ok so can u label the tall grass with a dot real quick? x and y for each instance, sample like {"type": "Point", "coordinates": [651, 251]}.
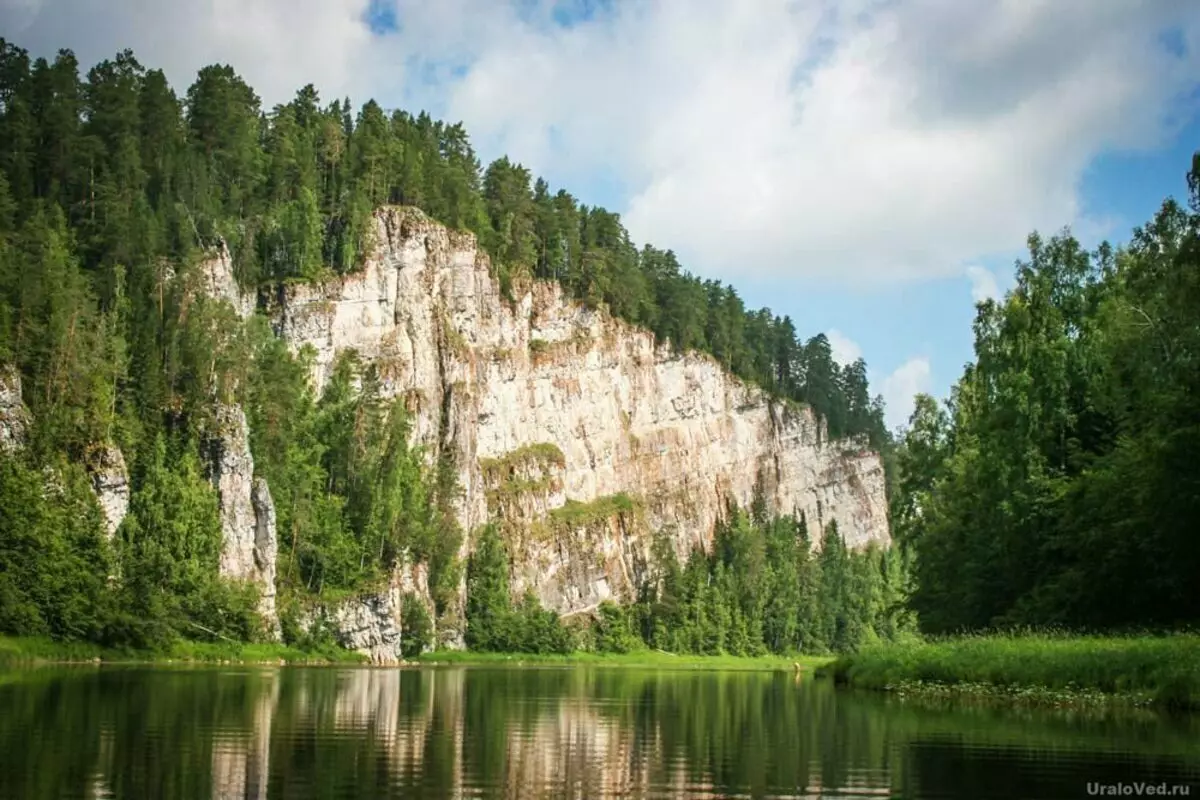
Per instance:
{"type": "Point", "coordinates": [1163, 670]}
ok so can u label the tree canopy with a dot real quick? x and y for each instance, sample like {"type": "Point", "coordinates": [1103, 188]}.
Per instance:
{"type": "Point", "coordinates": [1058, 486]}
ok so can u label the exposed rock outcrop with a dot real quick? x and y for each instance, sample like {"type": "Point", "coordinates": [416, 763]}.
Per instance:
{"type": "Point", "coordinates": [372, 624]}
{"type": "Point", "coordinates": [110, 483]}
{"type": "Point", "coordinates": [581, 433]}
{"type": "Point", "coordinates": [217, 281]}
{"type": "Point", "coordinates": [14, 417]}
{"type": "Point", "coordinates": [249, 545]}
{"type": "Point", "coordinates": [648, 439]}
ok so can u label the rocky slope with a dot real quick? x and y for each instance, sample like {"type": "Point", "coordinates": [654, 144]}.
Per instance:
{"type": "Point", "coordinates": [582, 433]}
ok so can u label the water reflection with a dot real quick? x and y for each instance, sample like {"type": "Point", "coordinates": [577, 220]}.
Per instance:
{"type": "Point", "coordinates": [531, 733]}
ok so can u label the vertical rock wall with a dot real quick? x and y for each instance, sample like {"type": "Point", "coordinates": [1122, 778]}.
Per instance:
{"type": "Point", "coordinates": [249, 545]}
{"type": "Point", "coordinates": [643, 439]}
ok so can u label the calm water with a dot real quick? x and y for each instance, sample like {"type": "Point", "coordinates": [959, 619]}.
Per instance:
{"type": "Point", "coordinates": [554, 732]}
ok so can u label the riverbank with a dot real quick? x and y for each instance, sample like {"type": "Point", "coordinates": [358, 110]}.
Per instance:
{"type": "Point", "coordinates": [15, 651]}
{"type": "Point", "coordinates": [648, 659]}
{"type": "Point", "coordinates": [19, 650]}
{"type": "Point", "coordinates": [1162, 671]}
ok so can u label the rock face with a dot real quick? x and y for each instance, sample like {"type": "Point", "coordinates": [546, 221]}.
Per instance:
{"type": "Point", "coordinates": [249, 545]}
{"type": "Point", "coordinates": [582, 432]}
{"type": "Point", "coordinates": [370, 625]}
{"type": "Point", "coordinates": [14, 417]}
{"type": "Point", "coordinates": [110, 483]}
{"type": "Point", "coordinates": [373, 624]}
{"type": "Point", "coordinates": [579, 432]}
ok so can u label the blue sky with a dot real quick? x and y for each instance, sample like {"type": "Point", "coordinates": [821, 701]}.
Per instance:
{"type": "Point", "coordinates": [864, 166]}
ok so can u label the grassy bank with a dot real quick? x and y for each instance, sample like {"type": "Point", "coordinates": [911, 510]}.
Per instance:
{"type": "Point", "coordinates": [650, 659]}
{"type": "Point", "coordinates": [16, 650]}
{"type": "Point", "coordinates": [1035, 669]}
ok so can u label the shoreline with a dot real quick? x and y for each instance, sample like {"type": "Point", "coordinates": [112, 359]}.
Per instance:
{"type": "Point", "coordinates": [36, 651]}
{"type": "Point", "coordinates": [16, 652]}
{"type": "Point", "coordinates": [1161, 672]}
{"type": "Point", "coordinates": [645, 659]}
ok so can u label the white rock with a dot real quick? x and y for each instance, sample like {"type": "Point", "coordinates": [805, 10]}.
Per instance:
{"type": "Point", "coordinates": [110, 483]}
{"type": "Point", "coordinates": [249, 545]}
{"type": "Point", "coordinates": [628, 414]}
{"type": "Point", "coordinates": [14, 417]}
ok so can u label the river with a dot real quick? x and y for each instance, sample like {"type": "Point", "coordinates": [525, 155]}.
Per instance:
{"type": "Point", "coordinates": [583, 732]}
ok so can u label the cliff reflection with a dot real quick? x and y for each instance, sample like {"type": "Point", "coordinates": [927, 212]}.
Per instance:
{"type": "Point", "coordinates": [538, 733]}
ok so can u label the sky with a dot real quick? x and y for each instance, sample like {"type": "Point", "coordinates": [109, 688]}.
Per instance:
{"type": "Point", "coordinates": [871, 168]}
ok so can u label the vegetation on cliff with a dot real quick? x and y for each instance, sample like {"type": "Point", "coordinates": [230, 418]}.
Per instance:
{"type": "Point", "coordinates": [760, 590]}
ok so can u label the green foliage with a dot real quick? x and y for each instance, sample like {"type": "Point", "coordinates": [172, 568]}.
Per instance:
{"type": "Point", "coordinates": [352, 494]}
{"type": "Point", "coordinates": [615, 630]}
{"type": "Point", "coordinates": [416, 627]}
{"type": "Point", "coordinates": [761, 589]}
{"type": "Point", "coordinates": [170, 547]}
{"type": "Point", "coordinates": [1058, 486]}
{"type": "Point", "coordinates": [531, 456]}
{"type": "Point", "coordinates": [577, 515]}
{"type": "Point", "coordinates": [493, 624]}
{"type": "Point", "coordinates": [111, 193]}
{"type": "Point", "coordinates": [53, 558]}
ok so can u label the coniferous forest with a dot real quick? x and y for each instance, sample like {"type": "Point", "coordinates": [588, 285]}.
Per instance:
{"type": "Point", "coordinates": [112, 187]}
{"type": "Point", "coordinates": [1055, 488]}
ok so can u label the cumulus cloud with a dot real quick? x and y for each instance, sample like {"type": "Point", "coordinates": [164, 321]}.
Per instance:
{"type": "Point", "coordinates": [868, 141]}
{"type": "Point", "coordinates": [983, 284]}
{"type": "Point", "coordinates": [906, 381]}
{"type": "Point", "coordinates": [845, 350]}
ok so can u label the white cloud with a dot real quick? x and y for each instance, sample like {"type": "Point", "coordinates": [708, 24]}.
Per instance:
{"type": "Point", "coordinates": [845, 350]}
{"type": "Point", "coordinates": [907, 380]}
{"type": "Point", "coordinates": [868, 141]}
{"type": "Point", "coordinates": [983, 284]}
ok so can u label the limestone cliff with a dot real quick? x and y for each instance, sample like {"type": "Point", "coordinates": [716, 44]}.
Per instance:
{"type": "Point", "coordinates": [581, 431]}
{"type": "Point", "coordinates": [249, 545]}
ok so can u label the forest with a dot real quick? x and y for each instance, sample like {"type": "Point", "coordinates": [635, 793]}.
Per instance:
{"type": "Point", "coordinates": [761, 589]}
{"type": "Point", "coordinates": [1055, 487]}
{"type": "Point", "coordinates": [1058, 486]}
{"type": "Point", "coordinates": [112, 187]}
